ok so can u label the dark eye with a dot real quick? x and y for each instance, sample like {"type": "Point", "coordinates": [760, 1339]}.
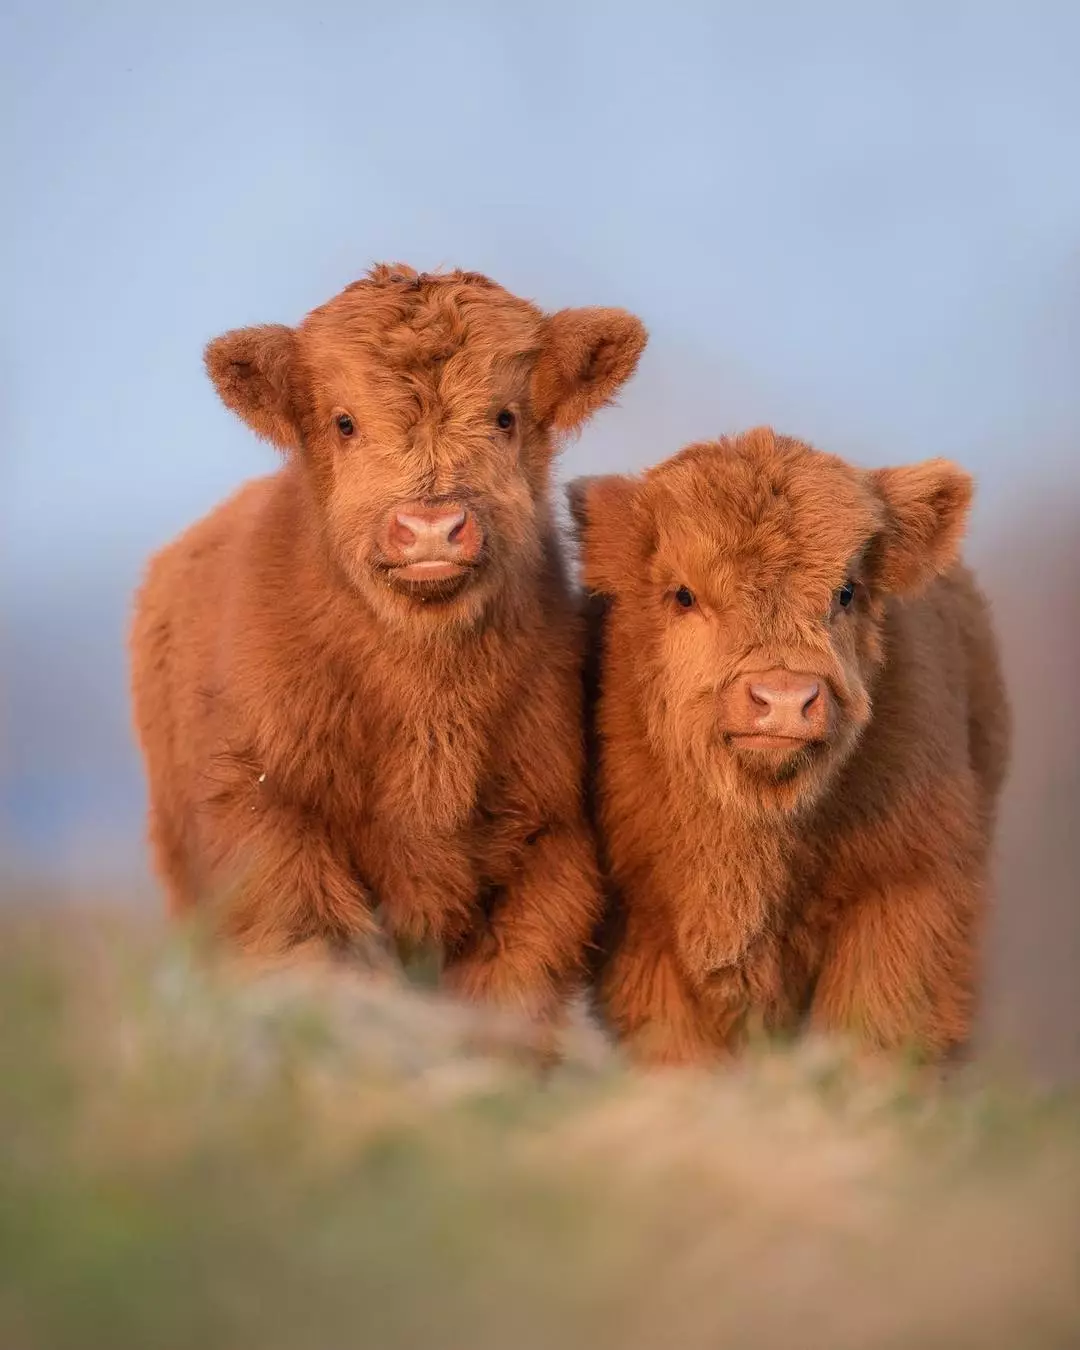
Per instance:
{"type": "Point", "coordinates": [684, 597]}
{"type": "Point", "coordinates": [845, 594]}
{"type": "Point", "coordinates": [504, 419]}
{"type": "Point", "coordinates": [345, 424]}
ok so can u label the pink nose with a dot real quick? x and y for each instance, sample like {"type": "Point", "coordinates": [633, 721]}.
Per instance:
{"type": "Point", "coordinates": [422, 531]}
{"type": "Point", "coordinates": [787, 703]}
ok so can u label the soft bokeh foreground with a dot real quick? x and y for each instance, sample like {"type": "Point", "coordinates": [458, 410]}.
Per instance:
{"type": "Point", "coordinates": [313, 1160]}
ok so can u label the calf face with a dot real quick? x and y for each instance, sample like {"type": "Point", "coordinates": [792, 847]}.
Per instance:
{"type": "Point", "coordinates": [423, 408]}
{"type": "Point", "coordinates": [750, 578]}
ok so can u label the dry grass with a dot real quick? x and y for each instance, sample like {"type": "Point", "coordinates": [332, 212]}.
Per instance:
{"type": "Point", "coordinates": [189, 1160]}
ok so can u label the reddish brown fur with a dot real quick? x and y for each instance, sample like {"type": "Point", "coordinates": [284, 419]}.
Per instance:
{"type": "Point", "coordinates": [757, 882]}
{"type": "Point", "coordinates": [326, 735]}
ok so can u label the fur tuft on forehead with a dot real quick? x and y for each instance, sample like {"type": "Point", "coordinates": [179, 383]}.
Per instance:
{"type": "Point", "coordinates": [401, 347]}
{"type": "Point", "coordinates": [764, 508]}
{"type": "Point", "coordinates": [402, 275]}
{"type": "Point", "coordinates": [761, 511]}
{"type": "Point", "coordinates": [417, 320]}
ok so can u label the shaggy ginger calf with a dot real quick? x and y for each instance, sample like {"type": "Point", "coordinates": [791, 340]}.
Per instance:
{"type": "Point", "coordinates": [356, 683]}
{"type": "Point", "coordinates": [801, 736]}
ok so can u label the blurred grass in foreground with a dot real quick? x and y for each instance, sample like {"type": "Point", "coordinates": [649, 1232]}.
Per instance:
{"type": "Point", "coordinates": [188, 1160]}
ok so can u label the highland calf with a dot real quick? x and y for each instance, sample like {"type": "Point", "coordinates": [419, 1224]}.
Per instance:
{"type": "Point", "coordinates": [801, 734]}
{"type": "Point", "coordinates": [357, 683]}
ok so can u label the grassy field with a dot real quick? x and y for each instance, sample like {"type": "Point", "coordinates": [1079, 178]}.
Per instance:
{"type": "Point", "coordinates": [313, 1161]}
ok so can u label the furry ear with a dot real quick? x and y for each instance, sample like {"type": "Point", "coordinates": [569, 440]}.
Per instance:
{"type": "Point", "coordinates": [608, 528]}
{"type": "Point", "coordinates": [253, 370]}
{"type": "Point", "coordinates": [588, 354]}
{"type": "Point", "coordinates": [926, 511]}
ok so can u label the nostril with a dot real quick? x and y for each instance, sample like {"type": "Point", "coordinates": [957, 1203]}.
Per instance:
{"type": "Point", "coordinates": [760, 695]}
{"type": "Point", "coordinates": [810, 697]}
{"type": "Point", "coordinates": [402, 533]}
{"type": "Point", "coordinates": [456, 528]}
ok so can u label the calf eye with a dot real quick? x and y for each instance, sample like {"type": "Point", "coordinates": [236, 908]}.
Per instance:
{"type": "Point", "coordinates": [345, 424]}
{"type": "Point", "coordinates": [504, 419]}
{"type": "Point", "coordinates": [684, 597]}
{"type": "Point", "coordinates": [845, 594]}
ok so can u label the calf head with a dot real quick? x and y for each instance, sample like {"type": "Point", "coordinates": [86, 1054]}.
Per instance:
{"type": "Point", "coordinates": [749, 579]}
{"type": "Point", "coordinates": [423, 410]}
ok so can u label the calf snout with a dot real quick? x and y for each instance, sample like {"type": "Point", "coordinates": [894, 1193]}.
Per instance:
{"type": "Point", "coordinates": [433, 532]}
{"type": "Point", "coordinates": [785, 703]}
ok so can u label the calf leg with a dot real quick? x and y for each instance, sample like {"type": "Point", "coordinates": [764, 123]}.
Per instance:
{"type": "Point", "coordinates": [276, 879]}
{"type": "Point", "coordinates": [649, 1004]}
{"type": "Point", "coordinates": [532, 953]}
{"type": "Point", "coordinates": [899, 968]}
{"type": "Point", "coordinates": [165, 834]}
{"type": "Point", "coordinates": [152, 710]}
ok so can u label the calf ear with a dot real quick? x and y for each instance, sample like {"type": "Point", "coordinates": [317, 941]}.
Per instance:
{"type": "Point", "coordinates": [588, 354]}
{"type": "Point", "coordinates": [253, 371]}
{"type": "Point", "coordinates": [607, 527]}
{"type": "Point", "coordinates": [926, 511]}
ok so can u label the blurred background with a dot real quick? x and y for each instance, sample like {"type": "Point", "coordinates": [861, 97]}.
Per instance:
{"type": "Point", "coordinates": [859, 223]}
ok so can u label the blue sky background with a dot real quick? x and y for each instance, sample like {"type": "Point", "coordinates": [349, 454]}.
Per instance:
{"type": "Point", "coordinates": [859, 222]}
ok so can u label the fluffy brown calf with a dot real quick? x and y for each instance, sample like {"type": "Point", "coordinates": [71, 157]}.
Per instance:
{"type": "Point", "coordinates": [356, 683]}
{"type": "Point", "coordinates": [801, 735]}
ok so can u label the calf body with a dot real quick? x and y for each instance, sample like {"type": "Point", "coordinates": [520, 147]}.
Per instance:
{"type": "Point", "coordinates": [356, 683]}
{"type": "Point", "coordinates": [801, 733]}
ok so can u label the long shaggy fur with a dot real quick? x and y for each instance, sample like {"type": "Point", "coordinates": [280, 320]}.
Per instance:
{"type": "Point", "coordinates": [324, 745]}
{"type": "Point", "coordinates": [843, 880]}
